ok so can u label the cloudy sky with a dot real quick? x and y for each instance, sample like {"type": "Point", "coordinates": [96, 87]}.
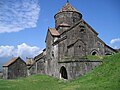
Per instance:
{"type": "Point", "coordinates": [24, 23]}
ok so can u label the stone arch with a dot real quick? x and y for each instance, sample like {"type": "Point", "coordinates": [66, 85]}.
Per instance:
{"type": "Point", "coordinates": [63, 73]}
{"type": "Point", "coordinates": [94, 52]}
{"type": "Point", "coordinates": [108, 53]}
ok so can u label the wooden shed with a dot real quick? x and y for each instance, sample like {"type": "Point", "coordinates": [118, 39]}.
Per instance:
{"type": "Point", "coordinates": [15, 68]}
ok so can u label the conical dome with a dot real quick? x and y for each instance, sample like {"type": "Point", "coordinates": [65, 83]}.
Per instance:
{"type": "Point", "coordinates": [68, 15]}
{"type": "Point", "coordinates": [68, 8]}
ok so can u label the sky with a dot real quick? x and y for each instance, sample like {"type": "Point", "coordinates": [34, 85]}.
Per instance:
{"type": "Point", "coordinates": [24, 23]}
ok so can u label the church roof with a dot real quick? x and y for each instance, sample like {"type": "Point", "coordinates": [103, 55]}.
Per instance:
{"type": "Point", "coordinates": [10, 62]}
{"type": "Point", "coordinates": [67, 7]}
{"type": "Point", "coordinates": [54, 32]}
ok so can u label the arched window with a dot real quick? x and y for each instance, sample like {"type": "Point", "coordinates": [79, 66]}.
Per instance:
{"type": "Point", "coordinates": [94, 52]}
{"type": "Point", "coordinates": [52, 53]}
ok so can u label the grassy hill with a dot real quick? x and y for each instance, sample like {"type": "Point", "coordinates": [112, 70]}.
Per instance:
{"type": "Point", "coordinates": [104, 77]}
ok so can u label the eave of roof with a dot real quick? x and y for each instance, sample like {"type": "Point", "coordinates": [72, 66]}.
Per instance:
{"type": "Point", "coordinates": [10, 62]}
{"type": "Point", "coordinates": [54, 32]}
{"type": "Point", "coordinates": [111, 48]}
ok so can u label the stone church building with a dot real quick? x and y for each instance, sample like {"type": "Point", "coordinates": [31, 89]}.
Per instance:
{"type": "Point", "coordinates": [67, 46]}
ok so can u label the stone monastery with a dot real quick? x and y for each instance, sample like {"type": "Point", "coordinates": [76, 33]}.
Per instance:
{"type": "Point", "coordinates": [67, 46]}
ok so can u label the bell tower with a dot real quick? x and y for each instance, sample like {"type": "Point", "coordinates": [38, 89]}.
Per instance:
{"type": "Point", "coordinates": [67, 16]}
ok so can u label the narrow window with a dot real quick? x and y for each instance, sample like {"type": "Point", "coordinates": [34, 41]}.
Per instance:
{"type": "Point", "coordinates": [82, 28]}
{"type": "Point", "coordinates": [52, 54]}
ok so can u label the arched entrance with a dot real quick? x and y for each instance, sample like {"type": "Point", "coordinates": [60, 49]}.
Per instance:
{"type": "Point", "coordinates": [94, 53]}
{"type": "Point", "coordinates": [108, 54]}
{"type": "Point", "coordinates": [63, 73]}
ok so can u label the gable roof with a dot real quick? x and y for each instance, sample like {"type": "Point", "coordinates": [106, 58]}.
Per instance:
{"type": "Point", "coordinates": [67, 7]}
{"type": "Point", "coordinates": [110, 48]}
{"type": "Point", "coordinates": [54, 32]}
{"type": "Point", "coordinates": [89, 27]}
{"type": "Point", "coordinates": [11, 61]}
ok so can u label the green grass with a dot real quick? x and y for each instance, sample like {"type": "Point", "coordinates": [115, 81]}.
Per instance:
{"type": "Point", "coordinates": [89, 57]}
{"type": "Point", "coordinates": [94, 57]}
{"type": "Point", "coordinates": [104, 77]}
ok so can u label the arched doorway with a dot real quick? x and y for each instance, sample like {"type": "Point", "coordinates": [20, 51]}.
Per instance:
{"type": "Point", "coordinates": [94, 53]}
{"type": "Point", "coordinates": [63, 73]}
{"type": "Point", "coordinates": [108, 54]}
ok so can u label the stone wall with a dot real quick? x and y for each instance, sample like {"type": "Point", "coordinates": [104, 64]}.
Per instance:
{"type": "Point", "coordinates": [31, 70]}
{"type": "Point", "coordinates": [1, 74]}
{"type": "Point", "coordinates": [73, 68]}
{"type": "Point", "coordinates": [76, 40]}
{"type": "Point", "coordinates": [78, 68]}
{"type": "Point", "coordinates": [67, 17]}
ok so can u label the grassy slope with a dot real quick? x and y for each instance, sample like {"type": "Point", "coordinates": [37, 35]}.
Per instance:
{"type": "Point", "coordinates": [104, 77]}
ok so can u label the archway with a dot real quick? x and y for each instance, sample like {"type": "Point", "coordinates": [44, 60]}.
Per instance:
{"type": "Point", "coordinates": [63, 73]}
{"type": "Point", "coordinates": [94, 53]}
{"type": "Point", "coordinates": [108, 54]}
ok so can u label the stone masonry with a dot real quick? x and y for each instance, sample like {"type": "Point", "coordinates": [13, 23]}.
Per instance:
{"type": "Point", "coordinates": [67, 44]}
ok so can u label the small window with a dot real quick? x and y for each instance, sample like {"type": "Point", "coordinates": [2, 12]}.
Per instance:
{"type": "Point", "coordinates": [79, 46]}
{"type": "Point", "coordinates": [74, 19]}
{"type": "Point", "coordinates": [82, 28]}
{"type": "Point", "coordinates": [52, 54]}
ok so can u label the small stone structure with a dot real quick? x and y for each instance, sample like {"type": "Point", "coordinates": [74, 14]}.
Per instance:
{"type": "Point", "coordinates": [15, 68]}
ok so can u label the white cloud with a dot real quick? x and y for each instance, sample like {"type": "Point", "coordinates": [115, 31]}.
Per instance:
{"type": "Point", "coordinates": [115, 43]}
{"type": "Point", "coordinates": [6, 51]}
{"type": "Point", "coordinates": [16, 15]}
{"type": "Point", "coordinates": [23, 50]}
{"type": "Point", "coordinates": [115, 40]}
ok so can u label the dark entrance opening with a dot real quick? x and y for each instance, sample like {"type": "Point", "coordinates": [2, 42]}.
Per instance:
{"type": "Point", "coordinates": [63, 73]}
{"type": "Point", "coordinates": [108, 54]}
{"type": "Point", "coordinates": [94, 53]}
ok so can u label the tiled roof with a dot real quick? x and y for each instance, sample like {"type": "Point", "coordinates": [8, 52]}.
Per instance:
{"type": "Point", "coordinates": [10, 62]}
{"type": "Point", "coordinates": [68, 7]}
{"type": "Point", "coordinates": [54, 32]}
